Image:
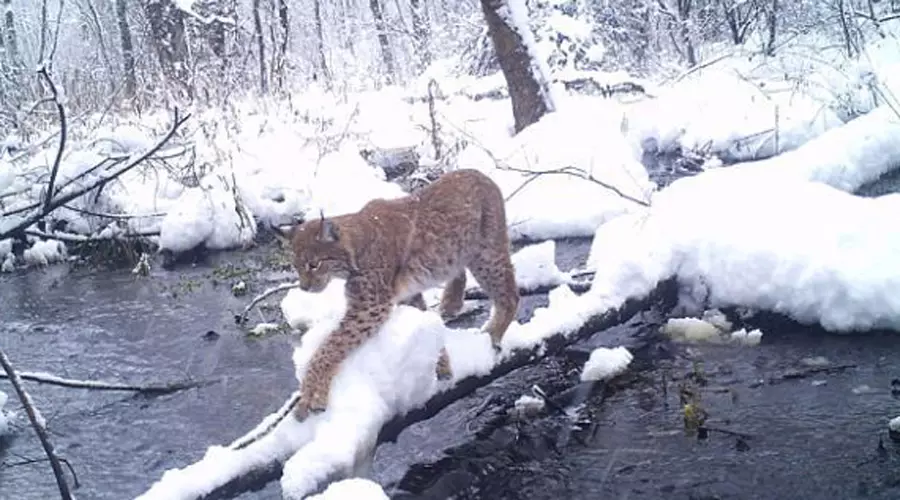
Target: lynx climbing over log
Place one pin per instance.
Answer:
(391, 251)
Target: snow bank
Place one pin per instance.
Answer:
(749, 237)
(721, 112)
(543, 201)
(605, 363)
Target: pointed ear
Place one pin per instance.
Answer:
(329, 232)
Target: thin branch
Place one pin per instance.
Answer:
(62, 135)
(31, 461)
(97, 385)
(37, 422)
(242, 317)
(80, 238)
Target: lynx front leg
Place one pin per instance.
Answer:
(361, 322)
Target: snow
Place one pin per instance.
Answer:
(45, 252)
(5, 416)
(712, 328)
(605, 363)
(210, 215)
(893, 425)
(528, 405)
(544, 171)
(535, 266)
(354, 488)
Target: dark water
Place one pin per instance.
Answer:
(810, 438)
(111, 326)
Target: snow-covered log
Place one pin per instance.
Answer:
(388, 385)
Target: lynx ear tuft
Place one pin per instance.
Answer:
(329, 232)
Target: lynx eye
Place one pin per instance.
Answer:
(312, 266)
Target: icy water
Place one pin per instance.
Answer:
(809, 436)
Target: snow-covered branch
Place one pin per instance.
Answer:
(97, 385)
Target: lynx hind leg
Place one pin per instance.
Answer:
(359, 323)
(452, 297)
(442, 368)
(417, 301)
(495, 273)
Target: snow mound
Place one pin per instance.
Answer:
(209, 214)
(44, 252)
(343, 183)
(605, 363)
(352, 489)
(893, 425)
(535, 266)
(715, 330)
(804, 249)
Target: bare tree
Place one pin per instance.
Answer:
(320, 42)
(386, 54)
(167, 29)
(772, 25)
(529, 95)
(740, 17)
(127, 48)
(421, 33)
(260, 47)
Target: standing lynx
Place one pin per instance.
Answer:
(391, 251)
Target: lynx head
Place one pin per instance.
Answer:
(319, 254)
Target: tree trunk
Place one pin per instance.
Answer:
(320, 44)
(383, 41)
(284, 37)
(526, 90)
(167, 30)
(772, 21)
(127, 49)
(12, 38)
(421, 33)
(260, 48)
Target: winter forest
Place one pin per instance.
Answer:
(701, 200)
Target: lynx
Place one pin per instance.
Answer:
(391, 251)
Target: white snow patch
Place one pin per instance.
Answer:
(343, 183)
(45, 252)
(535, 266)
(893, 425)
(529, 404)
(5, 417)
(352, 489)
(605, 363)
(210, 215)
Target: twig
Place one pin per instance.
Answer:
(96, 385)
(727, 432)
(242, 317)
(266, 427)
(62, 136)
(37, 422)
(30, 461)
